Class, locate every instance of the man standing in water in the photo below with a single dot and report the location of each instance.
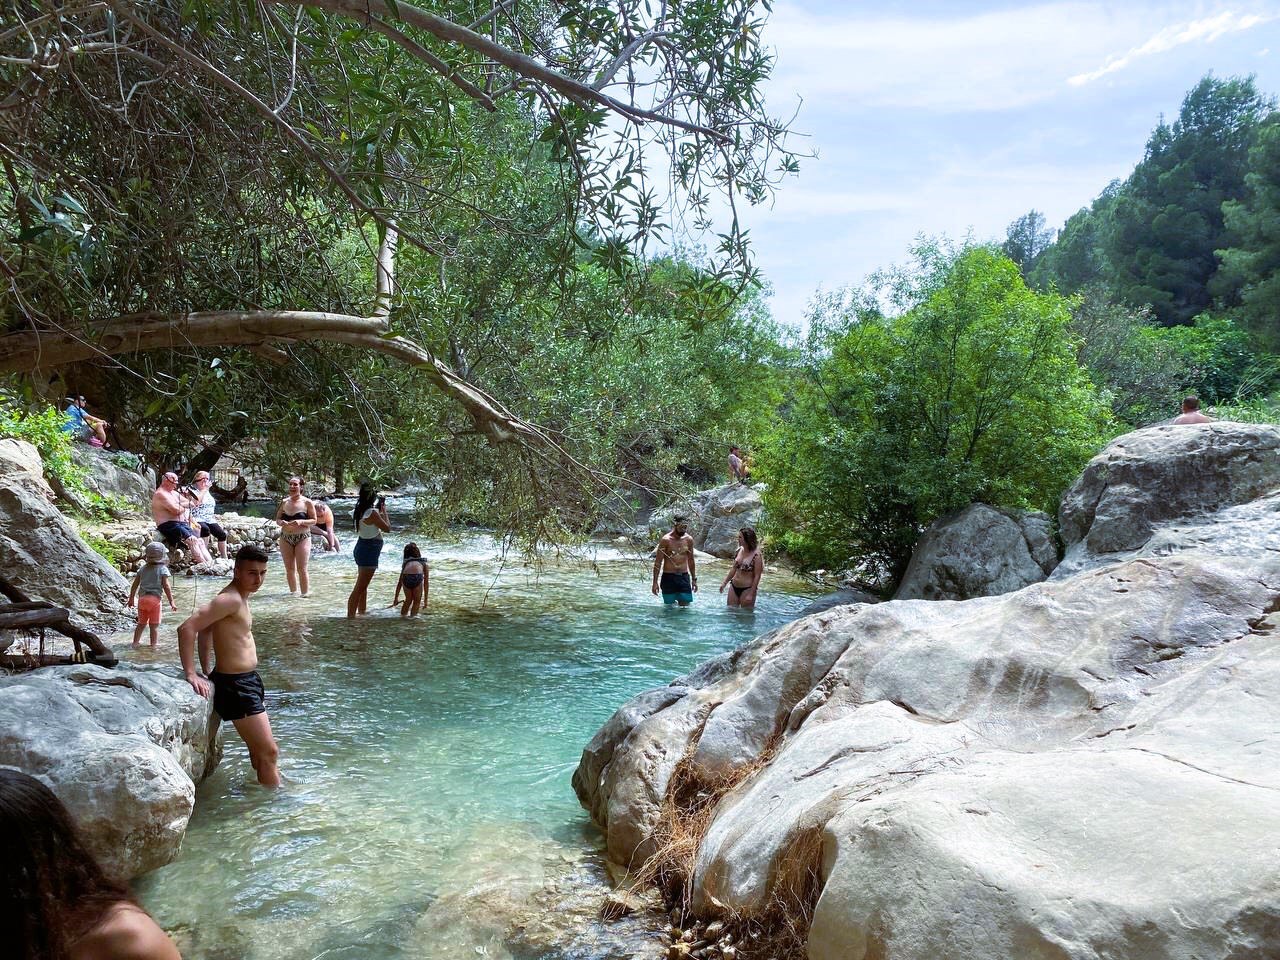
(674, 561)
(224, 626)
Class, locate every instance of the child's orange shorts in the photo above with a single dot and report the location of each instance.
(149, 609)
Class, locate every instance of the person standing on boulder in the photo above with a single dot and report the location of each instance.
(168, 507)
(1191, 412)
(673, 560)
(223, 627)
(738, 472)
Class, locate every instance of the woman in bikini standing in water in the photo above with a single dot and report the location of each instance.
(743, 578)
(296, 516)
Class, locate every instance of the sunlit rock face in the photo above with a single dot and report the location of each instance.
(41, 553)
(124, 749)
(1085, 767)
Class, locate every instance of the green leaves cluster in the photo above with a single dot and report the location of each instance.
(971, 393)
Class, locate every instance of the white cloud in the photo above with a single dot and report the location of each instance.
(970, 60)
(1197, 31)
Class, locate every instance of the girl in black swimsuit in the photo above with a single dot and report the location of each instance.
(414, 575)
(743, 578)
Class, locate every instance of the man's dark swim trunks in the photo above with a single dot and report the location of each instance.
(174, 531)
(676, 588)
(237, 695)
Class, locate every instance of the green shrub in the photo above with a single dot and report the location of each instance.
(42, 428)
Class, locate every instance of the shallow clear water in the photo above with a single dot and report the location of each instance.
(423, 758)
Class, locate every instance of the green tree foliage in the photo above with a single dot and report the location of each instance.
(1026, 239)
(1164, 225)
(1075, 260)
(1251, 262)
(970, 393)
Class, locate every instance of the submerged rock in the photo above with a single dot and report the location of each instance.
(1085, 767)
(123, 749)
(979, 552)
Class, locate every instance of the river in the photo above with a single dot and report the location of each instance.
(428, 761)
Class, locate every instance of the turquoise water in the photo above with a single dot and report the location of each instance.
(427, 761)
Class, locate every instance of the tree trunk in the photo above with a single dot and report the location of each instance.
(339, 478)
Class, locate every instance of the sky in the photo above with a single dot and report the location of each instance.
(955, 118)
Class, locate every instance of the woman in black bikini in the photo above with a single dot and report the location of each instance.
(743, 578)
(296, 516)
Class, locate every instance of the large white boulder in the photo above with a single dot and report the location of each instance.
(1156, 478)
(1084, 768)
(979, 552)
(42, 554)
(123, 749)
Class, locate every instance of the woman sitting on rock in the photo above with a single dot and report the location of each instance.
(743, 578)
(296, 516)
(58, 904)
(203, 510)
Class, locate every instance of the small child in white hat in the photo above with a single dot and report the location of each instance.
(148, 584)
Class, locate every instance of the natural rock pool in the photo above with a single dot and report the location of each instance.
(427, 810)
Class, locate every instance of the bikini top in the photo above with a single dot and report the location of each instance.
(409, 560)
(746, 566)
(295, 516)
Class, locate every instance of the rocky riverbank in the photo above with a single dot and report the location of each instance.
(124, 749)
(1084, 767)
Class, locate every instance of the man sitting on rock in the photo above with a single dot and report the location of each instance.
(1191, 412)
(168, 509)
(82, 425)
(674, 560)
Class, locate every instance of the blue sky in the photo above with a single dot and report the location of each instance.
(958, 117)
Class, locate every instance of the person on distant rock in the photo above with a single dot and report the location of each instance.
(59, 904)
(296, 516)
(1191, 412)
(223, 628)
(674, 561)
(204, 509)
(168, 509)
(82, 425)
(743, 578)
(149, 583)
(370, 518)
(325, 525)
(415, 578)
(738, 472)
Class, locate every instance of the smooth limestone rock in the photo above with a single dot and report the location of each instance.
(43, 555)
(1152, 478)
(1087, 767)
(123, 749)
(840, 598)
(979, 552)
(109, 477)
(715, 516)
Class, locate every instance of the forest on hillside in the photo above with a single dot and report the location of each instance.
(372, 240)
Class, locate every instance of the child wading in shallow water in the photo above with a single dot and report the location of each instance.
(414, 578)
(148, 584)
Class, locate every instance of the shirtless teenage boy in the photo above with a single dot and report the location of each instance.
(674, 560)
(224, 627)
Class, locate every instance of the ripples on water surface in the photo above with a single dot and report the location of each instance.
(422, 757)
